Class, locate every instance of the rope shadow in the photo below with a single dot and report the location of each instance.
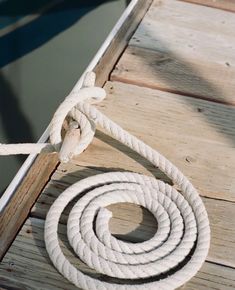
(138, 232)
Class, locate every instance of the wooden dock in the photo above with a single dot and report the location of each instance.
(175, 84)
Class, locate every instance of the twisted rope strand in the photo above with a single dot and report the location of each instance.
(183, 236)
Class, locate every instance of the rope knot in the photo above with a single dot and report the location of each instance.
(81, 128)
(181, 243)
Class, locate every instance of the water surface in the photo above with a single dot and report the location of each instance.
(41, 60)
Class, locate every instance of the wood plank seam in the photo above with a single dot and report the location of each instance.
(219, 264)
(121, 74)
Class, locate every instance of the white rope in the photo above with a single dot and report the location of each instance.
(181, 243)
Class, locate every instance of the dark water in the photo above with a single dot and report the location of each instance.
(41, 60)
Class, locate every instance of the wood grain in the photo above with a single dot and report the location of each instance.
(185, 133)
(175, 127)
(188, 31)
(138, 223)
(228, 5)
(19, 207)
(177, 49)
(27, 265)
(196, 135)
(167, 72)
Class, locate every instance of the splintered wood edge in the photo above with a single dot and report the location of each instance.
(35, 180)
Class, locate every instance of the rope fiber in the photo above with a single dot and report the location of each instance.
(166, 261)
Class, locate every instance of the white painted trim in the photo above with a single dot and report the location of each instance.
(9, 192)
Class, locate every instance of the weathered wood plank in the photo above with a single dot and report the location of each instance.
(196, 135)
(27, 266)
(15, 214)
(207, 125)
(167, 72)
(228, 5)
(212, 276)
(128, 217)
(177, 122)
(18, 209)
(179, 50)
(185, 30)
(222, 249)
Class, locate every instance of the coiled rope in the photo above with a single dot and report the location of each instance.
(170, 258)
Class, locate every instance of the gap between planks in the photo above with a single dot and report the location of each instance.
(166, 72)
(196, 135)
(224, 132)
(166, 122)
(182, 133)
(177, 49)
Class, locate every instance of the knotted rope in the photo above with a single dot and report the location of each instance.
(170, 258)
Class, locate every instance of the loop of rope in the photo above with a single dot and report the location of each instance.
(89, 94)
(166, 261)
(177, 250)
(92, 95)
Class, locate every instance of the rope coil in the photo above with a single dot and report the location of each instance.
(170, 258)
